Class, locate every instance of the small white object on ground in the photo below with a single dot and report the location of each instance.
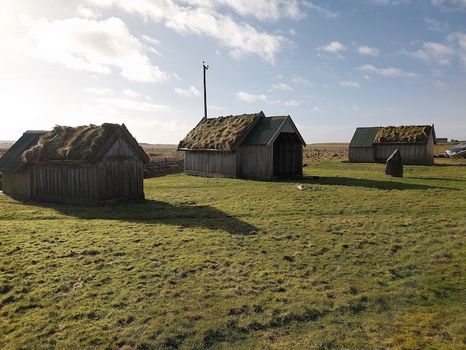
(300, 187)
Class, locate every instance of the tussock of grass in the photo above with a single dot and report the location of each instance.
(354, 261)
(71, 143)
(219, 133)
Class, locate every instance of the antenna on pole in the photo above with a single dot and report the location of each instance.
(205, 93)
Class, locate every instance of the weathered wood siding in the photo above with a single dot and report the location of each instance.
(417, 154)
(61, 182)
(256, 162)
(118, 176)
(17, 184)
(211, 163)
(430, 149)
(250, 161)
(361, 154)
(120, 173)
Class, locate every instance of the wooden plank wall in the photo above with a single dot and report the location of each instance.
(123, 179)
(430, 149)
(410, 154)
(211, 163)
(120, 173)
(256, 162)
(119, 176)
(120, 148)
(361, 154)
(61, 182)
(18, 184)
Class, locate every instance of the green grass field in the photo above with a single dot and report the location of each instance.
(354, 261)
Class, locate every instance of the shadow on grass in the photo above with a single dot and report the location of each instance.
(436, 178)
(379, 184)
(153, 212)
(451, 164)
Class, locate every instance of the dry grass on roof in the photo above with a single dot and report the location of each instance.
(71, 143)
(404, 133)
(218, 133)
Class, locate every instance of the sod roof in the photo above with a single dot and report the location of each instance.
(403, 134)
(222, 133)
(83, 143)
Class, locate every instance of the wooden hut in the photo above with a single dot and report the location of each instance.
(250, 146)
(376, 144)
(85, 164)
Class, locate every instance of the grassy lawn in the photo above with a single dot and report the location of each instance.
(354, 261)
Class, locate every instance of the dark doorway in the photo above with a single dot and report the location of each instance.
(287, 156)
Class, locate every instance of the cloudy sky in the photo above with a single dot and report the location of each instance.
(332, 65)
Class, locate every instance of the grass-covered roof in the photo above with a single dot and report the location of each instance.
(403, 134)
(222, 133)
(81, 143)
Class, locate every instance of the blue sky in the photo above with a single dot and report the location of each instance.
(331, 65)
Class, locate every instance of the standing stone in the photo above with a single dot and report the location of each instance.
(394, 165)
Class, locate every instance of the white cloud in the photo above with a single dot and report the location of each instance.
(292, 103)
(264, 10)
(450, 4)
(320, 110)
(386, 72)
(458, 39)
(87, 13)
(260, 9)
(130, 93)
(349, 83)
(91, 45)
(333, 47)
(132, 105)
(200, 17)
(99, 91)
(389, 2)
(247, 97)
(158, 129)
(282, 86)
(433, 53)
(189, 92)
(301, 81)
(440, 84)
(435, 26)
(368, 51)
(150, 40)
(321, 10)
(442, 54)
(217, 108)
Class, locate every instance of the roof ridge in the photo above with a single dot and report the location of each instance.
(36, 131)
(233, 115)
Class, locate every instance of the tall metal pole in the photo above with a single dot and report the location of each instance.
(205, 92)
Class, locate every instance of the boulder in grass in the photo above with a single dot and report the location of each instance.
(394, 165)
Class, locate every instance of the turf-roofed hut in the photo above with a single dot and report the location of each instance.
(250, 146)
(376, 144)
(84, 164)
